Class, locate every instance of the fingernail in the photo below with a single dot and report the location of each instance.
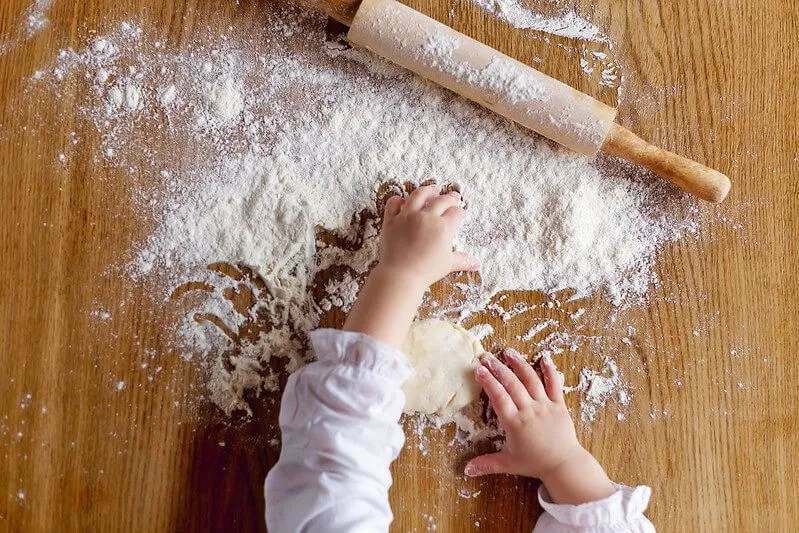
(470, 470)
(513, 354)
(480, 371)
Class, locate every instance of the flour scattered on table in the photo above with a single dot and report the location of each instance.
(600, 387)
(102, 315)
(595, 51)
(36, 17)
(537, 328)
(467, 494)
(481, 331)
(430, 522)
(259, 167)
(341, 293)
(567, 24)
(33, 20)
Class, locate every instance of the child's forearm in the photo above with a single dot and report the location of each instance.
(386, 305)
(580, 479)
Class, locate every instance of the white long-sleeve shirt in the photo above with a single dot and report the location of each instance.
(340, 432)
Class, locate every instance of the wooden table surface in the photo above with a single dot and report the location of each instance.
(713, 424)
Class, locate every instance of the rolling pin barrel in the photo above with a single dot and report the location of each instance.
(512, 89)
(482, 74)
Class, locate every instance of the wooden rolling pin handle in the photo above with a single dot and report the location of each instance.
(340, 10)
(690, 176)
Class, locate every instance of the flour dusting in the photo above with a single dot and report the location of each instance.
(596, 52)
(599, 387)
(260, 167)
(567, 24)
(33, 20)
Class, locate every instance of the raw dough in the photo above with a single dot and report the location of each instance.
(443, 355)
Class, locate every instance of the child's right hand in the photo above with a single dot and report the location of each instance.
(540, 438)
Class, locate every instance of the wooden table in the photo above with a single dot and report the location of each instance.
(713, 425)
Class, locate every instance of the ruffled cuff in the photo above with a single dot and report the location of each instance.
(626, 505)
(361, 351)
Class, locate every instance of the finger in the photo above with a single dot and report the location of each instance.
(553, 380)
(464, 262)
(393, 207)
(419, 198)
(516, 391)
(497, 395)
(490, 463)
(442, 202)
(454, 215)
(526, 374)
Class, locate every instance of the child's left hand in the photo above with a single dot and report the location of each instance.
(415, 252)
(416, 240)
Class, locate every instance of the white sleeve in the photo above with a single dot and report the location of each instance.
(621, 511)
(340, 432)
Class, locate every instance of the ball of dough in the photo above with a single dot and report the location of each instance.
(443, 356)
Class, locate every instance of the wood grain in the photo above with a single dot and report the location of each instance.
(713, 366)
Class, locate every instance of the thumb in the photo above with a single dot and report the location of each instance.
(490, 463)
(462, 261)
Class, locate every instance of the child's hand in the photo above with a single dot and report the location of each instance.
(540, 437)
(416, 239)
(415, 252)
(539, 429)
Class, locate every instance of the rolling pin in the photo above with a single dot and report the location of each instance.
(512, 89)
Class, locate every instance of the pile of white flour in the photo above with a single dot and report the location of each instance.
(243, 150)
